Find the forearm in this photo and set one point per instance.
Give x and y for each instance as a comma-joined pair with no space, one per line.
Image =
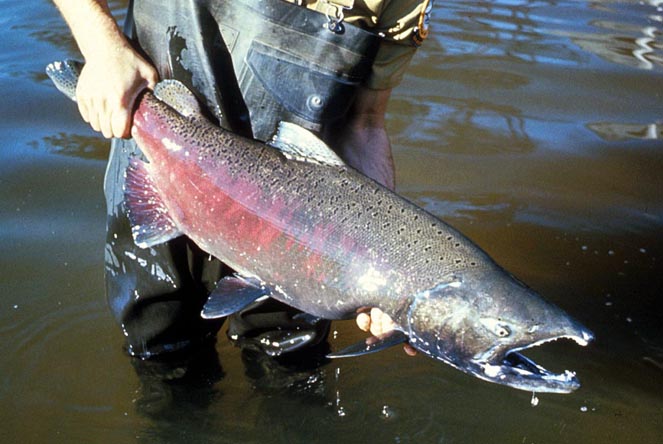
95,30
367,148
362,140
114,73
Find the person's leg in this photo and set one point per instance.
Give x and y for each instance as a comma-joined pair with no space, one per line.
155,294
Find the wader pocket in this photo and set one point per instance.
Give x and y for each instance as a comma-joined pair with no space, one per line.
285,62
302,88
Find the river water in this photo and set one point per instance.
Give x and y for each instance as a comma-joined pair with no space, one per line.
532,126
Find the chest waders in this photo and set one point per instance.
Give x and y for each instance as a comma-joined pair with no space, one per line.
253,63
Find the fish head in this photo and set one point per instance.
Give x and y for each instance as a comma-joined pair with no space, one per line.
480,325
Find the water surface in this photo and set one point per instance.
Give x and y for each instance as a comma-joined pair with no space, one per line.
532,126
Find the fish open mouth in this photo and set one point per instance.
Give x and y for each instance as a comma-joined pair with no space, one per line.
518,371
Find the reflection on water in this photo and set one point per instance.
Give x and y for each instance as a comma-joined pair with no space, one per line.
628,35
624,131
533,126
84,147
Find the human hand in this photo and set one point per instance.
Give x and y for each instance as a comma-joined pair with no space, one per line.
380,324
109,84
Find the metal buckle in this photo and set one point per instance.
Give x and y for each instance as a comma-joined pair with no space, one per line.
335,23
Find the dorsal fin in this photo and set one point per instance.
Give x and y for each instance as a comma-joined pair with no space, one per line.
300,144
177,96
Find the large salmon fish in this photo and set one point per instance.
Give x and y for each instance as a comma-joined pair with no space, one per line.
298,225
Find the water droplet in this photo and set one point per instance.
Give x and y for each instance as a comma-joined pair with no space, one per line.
583,408
535,400
387,412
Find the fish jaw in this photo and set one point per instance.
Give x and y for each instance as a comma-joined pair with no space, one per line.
481,329
516,370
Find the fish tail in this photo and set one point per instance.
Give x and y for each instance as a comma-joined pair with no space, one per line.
64,75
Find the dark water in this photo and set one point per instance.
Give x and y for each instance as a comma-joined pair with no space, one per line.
533,126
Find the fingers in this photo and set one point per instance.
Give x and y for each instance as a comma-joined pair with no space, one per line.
380,324
120,123
364,321
376,322
108,88
95,112
409,350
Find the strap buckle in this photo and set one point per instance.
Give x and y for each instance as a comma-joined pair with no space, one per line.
335,16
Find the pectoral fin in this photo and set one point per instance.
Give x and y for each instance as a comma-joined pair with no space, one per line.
369,346
231,294
150,222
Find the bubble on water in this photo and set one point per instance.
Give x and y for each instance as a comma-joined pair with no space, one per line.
584,248
583,408
15,306
642,250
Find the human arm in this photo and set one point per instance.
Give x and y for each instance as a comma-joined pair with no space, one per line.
114,73
362,140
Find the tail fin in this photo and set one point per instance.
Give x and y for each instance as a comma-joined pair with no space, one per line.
64,76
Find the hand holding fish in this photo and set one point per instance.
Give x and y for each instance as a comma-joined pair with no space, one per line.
108,87
379,325
114,73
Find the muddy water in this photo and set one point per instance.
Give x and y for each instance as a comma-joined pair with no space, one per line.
532,126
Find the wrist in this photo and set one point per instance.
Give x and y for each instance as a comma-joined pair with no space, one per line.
95,30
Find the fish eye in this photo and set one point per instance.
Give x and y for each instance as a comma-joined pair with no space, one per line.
497,327
502,331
